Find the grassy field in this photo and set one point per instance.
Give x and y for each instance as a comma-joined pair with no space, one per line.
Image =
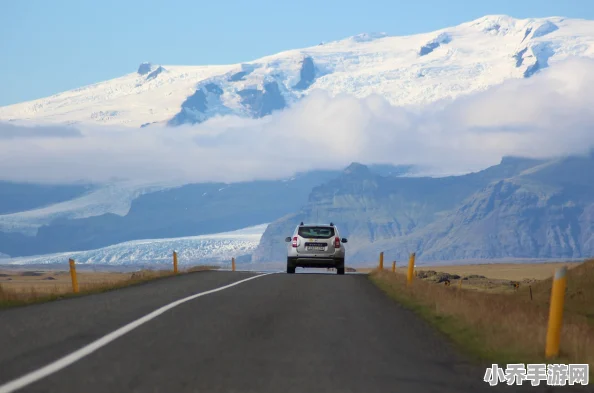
500,323
24,287
55,281
502,271
505,271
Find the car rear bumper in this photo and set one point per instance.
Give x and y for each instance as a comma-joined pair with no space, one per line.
316,262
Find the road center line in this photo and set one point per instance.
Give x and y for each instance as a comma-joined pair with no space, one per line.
67,360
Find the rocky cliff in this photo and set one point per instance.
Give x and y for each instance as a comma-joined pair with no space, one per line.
520,208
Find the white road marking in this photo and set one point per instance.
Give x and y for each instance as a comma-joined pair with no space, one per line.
67,360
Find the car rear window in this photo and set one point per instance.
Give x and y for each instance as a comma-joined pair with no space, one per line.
316,232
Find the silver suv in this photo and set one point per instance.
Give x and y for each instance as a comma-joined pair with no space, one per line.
316,246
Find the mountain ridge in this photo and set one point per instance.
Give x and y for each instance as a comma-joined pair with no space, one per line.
520,208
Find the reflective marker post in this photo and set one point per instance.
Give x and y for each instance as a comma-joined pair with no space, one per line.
556,313
73,275
175,262
381,261
411,267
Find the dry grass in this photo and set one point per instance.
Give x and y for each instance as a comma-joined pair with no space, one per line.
22,288
55,281
506,271
504,327
503,271
579,298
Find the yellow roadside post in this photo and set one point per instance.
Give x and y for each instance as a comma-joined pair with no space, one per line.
394,267
381,261
175,262
233,264
411,267
556,313
73,276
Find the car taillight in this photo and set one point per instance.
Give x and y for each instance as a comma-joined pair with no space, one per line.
336,242
295,241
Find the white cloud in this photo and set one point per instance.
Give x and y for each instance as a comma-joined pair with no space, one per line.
547,115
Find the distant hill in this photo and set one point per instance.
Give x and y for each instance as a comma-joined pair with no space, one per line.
189,210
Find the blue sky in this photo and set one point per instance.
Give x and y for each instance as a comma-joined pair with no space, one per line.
51,46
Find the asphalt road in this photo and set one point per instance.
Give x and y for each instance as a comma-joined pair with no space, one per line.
274,334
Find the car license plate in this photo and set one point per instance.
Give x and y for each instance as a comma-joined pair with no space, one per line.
311,248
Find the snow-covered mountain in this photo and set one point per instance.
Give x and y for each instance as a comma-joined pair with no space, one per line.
214,248
407,70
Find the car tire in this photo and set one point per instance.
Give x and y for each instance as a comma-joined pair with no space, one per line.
340,270
290,266
339,263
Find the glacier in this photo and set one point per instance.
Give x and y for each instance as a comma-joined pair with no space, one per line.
113,197
406,70
216,248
